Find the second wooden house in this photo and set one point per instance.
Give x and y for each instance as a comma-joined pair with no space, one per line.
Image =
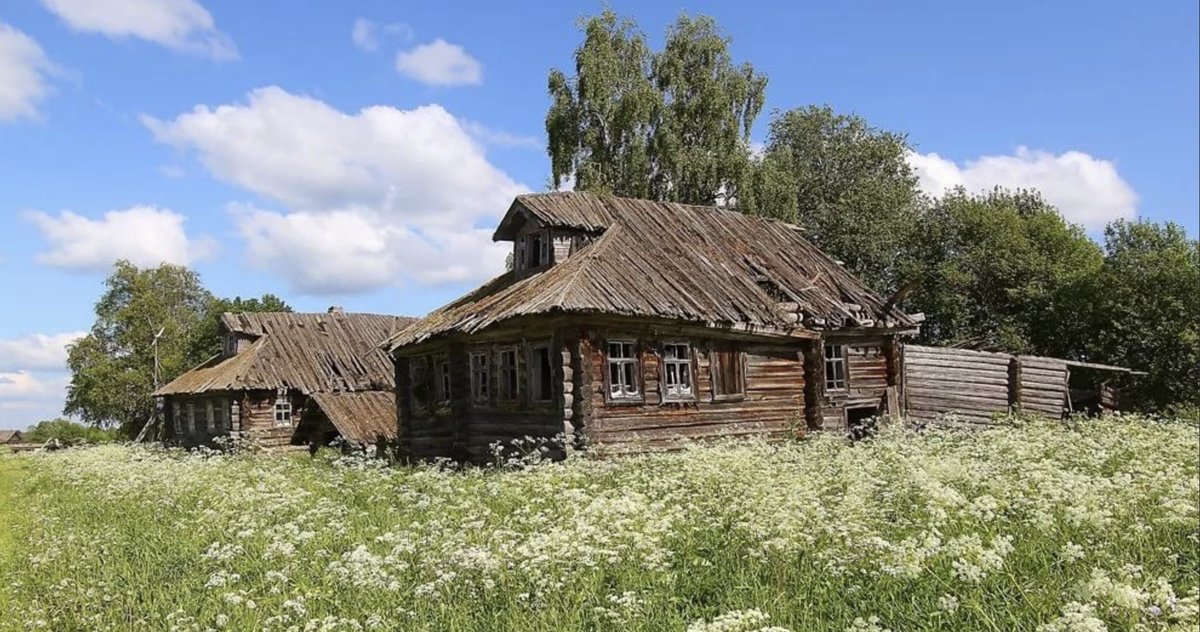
285,378
631,324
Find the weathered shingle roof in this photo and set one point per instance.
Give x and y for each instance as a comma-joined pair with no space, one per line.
364,418
309,352
7,436
658,259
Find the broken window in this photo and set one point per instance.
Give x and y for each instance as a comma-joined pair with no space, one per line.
835,367
418,371
677,370
508,374
480,376
727,373
622,369
541,374
444,392
283,408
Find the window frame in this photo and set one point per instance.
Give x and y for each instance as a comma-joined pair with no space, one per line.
418,383
535,377
843,358
637,395
444,381
481,376
739,360
218,417
282,405
509,374
191,417
689,362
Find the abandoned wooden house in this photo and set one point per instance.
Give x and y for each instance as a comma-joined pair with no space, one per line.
285,378
11,437
630,324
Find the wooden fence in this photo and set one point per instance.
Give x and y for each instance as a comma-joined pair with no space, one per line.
976,386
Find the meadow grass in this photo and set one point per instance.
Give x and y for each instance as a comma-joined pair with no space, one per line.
1052,527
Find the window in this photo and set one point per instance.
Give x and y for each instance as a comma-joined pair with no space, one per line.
444,392
622,369
537,249
727,375
283,408
479,376
418,386
835,367
508,374
541,374
520,258
216,415
177,417
191,418
677,370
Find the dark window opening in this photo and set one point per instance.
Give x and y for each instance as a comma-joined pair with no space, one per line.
541,375
508,374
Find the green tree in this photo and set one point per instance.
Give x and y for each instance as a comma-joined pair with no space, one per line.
69,432
1002,271
1147,313
673,125
847,183
112,368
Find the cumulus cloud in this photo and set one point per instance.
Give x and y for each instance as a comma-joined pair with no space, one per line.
143,235
182,25
1087,190
369,198
366,33
24,74
41,352
440,63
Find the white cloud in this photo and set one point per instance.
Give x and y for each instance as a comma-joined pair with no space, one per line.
182,25
440,63
501,138
366,33
37,351
24,74
144,235
1087,190
27,397
370,198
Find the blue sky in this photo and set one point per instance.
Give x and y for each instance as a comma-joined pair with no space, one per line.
357,153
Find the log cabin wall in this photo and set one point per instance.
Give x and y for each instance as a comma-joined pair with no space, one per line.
974,386
867,374
1041,385
771,401
193,420
256,418
467,427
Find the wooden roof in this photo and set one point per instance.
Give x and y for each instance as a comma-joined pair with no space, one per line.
9,436
312,353
363,418
697,264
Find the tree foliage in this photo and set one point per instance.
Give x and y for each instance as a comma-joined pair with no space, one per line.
847,183
1147,310
69,432
1002,271
112,368
673,125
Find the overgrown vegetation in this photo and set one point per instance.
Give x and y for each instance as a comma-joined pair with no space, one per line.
69,433
1038,526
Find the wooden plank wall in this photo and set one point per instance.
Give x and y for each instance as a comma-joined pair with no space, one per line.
772,406
1041,385
973,385
866,380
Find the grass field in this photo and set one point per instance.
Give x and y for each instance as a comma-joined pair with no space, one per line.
1037,526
